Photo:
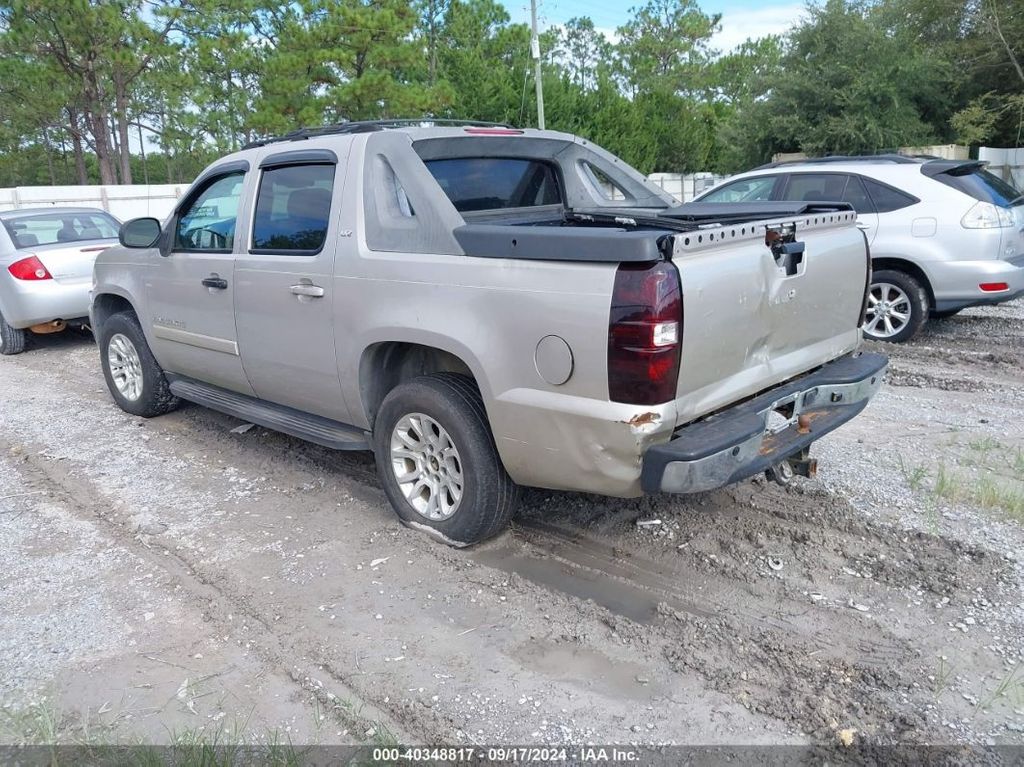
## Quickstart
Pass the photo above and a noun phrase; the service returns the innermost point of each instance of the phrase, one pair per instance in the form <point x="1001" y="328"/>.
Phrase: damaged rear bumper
<point x="750" y="437"/>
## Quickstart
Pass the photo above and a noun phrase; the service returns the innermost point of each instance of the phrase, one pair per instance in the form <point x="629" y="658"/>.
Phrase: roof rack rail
<point x="898" y="159"/>
<point x="369" y="126"/>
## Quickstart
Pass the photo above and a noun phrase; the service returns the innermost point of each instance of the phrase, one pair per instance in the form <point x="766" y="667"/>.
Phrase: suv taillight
<point x="30" y="268"/>
<point x="645" y="334"/>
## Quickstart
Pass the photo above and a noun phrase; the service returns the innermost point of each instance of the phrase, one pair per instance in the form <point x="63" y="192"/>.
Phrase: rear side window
<point x="493" y="183"/>
<point x="857" y="196"/>
<point x="887" y="199"/>
<point x="53" y="228"/>
<point x="758" y="189"/>
<point x="293" y="209"/>
<point x="984" y="186"/>
<point x="816" y="187"/>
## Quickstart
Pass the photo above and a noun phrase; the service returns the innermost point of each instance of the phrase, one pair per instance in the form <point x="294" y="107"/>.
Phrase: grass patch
<point x="1010" y="687"/>
<point x="63" y="741"/>
<point x="913" y="475"/>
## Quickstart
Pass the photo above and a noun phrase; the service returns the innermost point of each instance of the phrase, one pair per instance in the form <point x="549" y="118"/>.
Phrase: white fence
<point x="157" y="200"/>
<point x="1008" y="164"/>
<point x="685" y="187"/>
<point x="124" y="202"/>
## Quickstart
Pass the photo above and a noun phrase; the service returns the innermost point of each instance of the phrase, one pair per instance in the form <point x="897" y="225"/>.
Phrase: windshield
<point x="985" y="186"/>
<point x="36" y="229"/>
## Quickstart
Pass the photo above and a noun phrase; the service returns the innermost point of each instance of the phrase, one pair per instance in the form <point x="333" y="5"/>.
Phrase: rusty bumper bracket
<point x="765" y="430"/>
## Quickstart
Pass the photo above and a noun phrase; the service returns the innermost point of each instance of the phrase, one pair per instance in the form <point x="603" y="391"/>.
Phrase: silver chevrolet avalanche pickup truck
<point x="485" y="308"/>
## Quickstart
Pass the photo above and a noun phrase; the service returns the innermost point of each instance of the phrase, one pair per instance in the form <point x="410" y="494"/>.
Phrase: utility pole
<point x="535" y="50"/>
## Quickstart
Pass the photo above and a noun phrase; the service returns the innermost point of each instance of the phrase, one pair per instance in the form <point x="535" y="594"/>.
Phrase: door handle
<point x="215" y="282"/>
<point x="310" y="291"/>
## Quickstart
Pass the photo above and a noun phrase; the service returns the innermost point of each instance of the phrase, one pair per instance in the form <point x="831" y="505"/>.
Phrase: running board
<point x="312" y="428"/>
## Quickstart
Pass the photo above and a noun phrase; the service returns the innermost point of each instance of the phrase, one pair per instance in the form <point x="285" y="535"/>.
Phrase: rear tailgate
<point x="71" y="262"/>
<point x="750" y="320"/>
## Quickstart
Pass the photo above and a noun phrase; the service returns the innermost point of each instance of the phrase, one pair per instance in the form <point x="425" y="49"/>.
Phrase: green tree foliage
<point x="87" y="85"/>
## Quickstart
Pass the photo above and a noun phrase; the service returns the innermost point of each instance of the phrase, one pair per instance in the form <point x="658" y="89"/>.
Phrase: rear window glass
<point x="492" y="183"/>
<point x="887" y="199"/>
<point x="293" y="209"/>
<point x="54" y="228"/>
<point x="984" y="186"/>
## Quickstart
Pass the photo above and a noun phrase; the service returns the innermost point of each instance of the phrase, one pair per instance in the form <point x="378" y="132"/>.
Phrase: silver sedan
<point x="46" y="260"/>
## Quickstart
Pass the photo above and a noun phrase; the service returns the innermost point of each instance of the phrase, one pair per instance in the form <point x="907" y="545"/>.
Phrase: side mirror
<point x="139" y="233"/>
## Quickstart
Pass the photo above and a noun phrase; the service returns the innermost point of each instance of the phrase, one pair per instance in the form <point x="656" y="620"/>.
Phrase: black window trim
<point x="309" y="153"/>
<point x="201" y="184"/>
<point x="299" y="157"/>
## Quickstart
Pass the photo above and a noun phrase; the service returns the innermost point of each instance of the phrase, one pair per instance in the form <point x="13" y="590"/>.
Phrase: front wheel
<point x="135" y="379"/>
<point x="897" y="307"/>
<point x="438" y="462"/>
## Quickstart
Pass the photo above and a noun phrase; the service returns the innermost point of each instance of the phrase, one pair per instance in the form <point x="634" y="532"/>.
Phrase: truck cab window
<point x="293" y="209"/>
<point x="492" y="183"/>
<point x="208" y="223"/>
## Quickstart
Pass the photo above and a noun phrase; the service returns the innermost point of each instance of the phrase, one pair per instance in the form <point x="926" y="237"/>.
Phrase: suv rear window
<point x="984" y="186"/>
<point x="493" y="183"/>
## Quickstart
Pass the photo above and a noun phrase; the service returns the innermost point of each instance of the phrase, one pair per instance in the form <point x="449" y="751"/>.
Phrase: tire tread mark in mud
<point x="206" y="587"/>
<point x="600" y="558"/>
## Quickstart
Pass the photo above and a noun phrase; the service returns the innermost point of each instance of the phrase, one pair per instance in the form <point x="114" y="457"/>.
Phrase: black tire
<point x="155" y="397"/>
<point x="917" y="300"/>
<point x="489" y="496"/>
<point x="945" y="314"/>
<point x="12" y="340"/>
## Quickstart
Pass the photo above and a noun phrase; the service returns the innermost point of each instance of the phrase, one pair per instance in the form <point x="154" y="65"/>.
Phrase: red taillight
<point x="994" y="287"/>
<point x="30" y="268"/>
<point x="645" y="334"/>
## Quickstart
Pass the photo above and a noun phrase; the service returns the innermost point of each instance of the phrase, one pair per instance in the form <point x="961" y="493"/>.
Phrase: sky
<point x="741" y="19"/>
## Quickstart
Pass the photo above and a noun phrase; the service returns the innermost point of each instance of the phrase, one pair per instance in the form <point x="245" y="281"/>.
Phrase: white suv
<point x="944" y="234"/>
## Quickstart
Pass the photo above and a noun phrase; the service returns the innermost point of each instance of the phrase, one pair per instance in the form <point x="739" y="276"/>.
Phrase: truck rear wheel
<point x="438" y="462"/>
<point x="135" y="379"/>
<point x="12" y="340"/>
<point x="897" y="307"/>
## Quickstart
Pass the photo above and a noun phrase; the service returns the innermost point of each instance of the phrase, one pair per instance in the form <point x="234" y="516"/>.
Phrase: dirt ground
<point x="170" y="577"/>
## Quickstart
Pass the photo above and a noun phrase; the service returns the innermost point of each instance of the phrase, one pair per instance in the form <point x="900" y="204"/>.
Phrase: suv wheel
<point x="897" y="307"/>
<point x="136" y="382"/>
<point x="12" y="340"/>
<point x="438" y="462"/>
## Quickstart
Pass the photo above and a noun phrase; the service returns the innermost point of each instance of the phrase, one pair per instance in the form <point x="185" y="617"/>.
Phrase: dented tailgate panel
<point x="750" y="320"/>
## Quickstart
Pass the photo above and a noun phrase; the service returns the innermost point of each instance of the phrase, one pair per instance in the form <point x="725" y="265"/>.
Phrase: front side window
<point x="54" y="228"/>
<point x="208" y="223"/>
<point x="293" y="209"/>
<point x="493" y="183"/>
<point x="757" y="189"/>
